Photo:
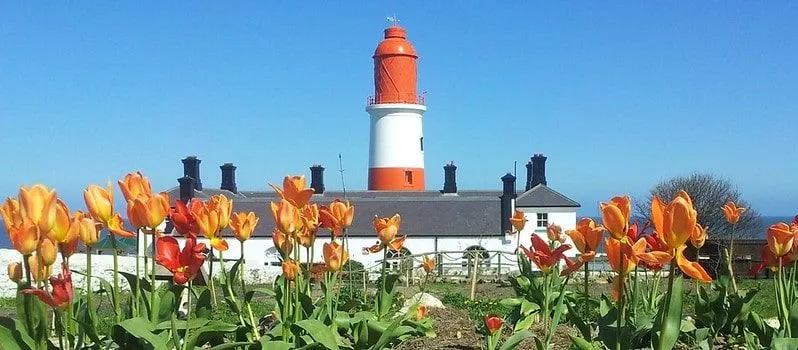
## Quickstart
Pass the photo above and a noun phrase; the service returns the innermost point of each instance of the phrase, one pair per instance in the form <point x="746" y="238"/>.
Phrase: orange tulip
<point x="283" y="242"/>
<point x="428" y="264"/>
<point x="135" y="185"/>
<point x="48" y="250"/>
<point x="25" y="237"/>
<point x="148" y="211"/>
<point x="294" y="191"/>
<point x="780" y="239"/>
<point x="421" y="312"/>
<point x="15" y="272"/>
<point x="223" y="207"/>
<point x="87" y="232"/>
<point x="337" y="216"/>
<point x="397" y="244"/>
<point x="676" y="221"/>
<point x="691" y="268"/>
<point x="699" y="236"/>
<point x="70" y="243"/>
<point x="554" y="233"/>
<point x="286" y="216"/>
<point x="335" y="256"/>
<point x="62" y="222"/>
<point x="243" y="224"/>
<point x="586" y="238"/>
<point x="37" y="204"/>
<point x="116" y="226"/>
<point x="306" y="235"/>
<point x="39" y="270"/>
<point x="615" y="216"/>
<point x="207" y="216"/>
<point x="290" y="269"/>
<point x="100" y="202"/>
<point x="387" y="228"/>
<point x="632" y="255"/>
<point x="732" y="212"/>
<point x="518" y="220"/>
<point x="11" y="214"/>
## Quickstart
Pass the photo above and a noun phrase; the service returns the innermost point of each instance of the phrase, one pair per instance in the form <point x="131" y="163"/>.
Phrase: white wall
<point x="565" y="217"/>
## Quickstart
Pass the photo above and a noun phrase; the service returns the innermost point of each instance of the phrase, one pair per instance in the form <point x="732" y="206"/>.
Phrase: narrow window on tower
<point x="409" y="177"/>
<point x="421" y="140"/>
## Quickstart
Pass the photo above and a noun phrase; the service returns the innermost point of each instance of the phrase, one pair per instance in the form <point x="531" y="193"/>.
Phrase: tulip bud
<point x="88" y="232"/>
<point x="47" y="251"/>
<point x="38" y="205"/>
<point x="15" y="272"/>
<point x="290" y="269"/>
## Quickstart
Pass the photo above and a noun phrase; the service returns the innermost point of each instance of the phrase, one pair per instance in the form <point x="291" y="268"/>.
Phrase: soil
<point x="456" y="331"/>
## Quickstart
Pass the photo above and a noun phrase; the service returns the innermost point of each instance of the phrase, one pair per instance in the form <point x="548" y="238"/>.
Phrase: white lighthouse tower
<point x="396" y="146"/>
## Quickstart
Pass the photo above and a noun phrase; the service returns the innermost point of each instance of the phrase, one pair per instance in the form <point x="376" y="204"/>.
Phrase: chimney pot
<point x="507" y="197"/>
<point x="186" y="189"/>
<point x="317" y="179"/>
<point x="449" y="178"/>
<point x="229" y="177"/>
<point x="191" y="169"/>
<point x="538" y="170"/>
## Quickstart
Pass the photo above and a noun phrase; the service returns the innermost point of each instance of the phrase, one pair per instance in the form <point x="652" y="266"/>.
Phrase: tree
<point x="709" y="193"/>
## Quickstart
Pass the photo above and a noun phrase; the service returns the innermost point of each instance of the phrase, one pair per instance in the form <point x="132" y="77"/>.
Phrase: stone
<point x="425" y="299"/>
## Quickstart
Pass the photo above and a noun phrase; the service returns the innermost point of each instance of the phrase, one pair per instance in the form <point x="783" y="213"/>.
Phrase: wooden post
<point x="475" y="266"/>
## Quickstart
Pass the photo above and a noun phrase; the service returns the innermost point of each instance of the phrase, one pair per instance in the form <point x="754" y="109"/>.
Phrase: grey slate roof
<point x="541" y="196"/>
<point x="430" y="213"/>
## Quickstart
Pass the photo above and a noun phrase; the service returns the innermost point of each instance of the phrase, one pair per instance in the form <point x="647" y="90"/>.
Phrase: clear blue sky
<point x="618" y="95"/>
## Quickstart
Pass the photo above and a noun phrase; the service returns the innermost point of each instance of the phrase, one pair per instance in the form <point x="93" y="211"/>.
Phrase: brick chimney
<point x="229" y="177"/>
<point x="507" y="198"/>
<point x="449" y="178"/>
<point x="191" y="169"/>
<point x="317" y="179"/>
<point x="538" y="170"/>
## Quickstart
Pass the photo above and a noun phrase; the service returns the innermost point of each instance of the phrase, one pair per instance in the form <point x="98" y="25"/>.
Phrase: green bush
<point x="477" y="309"/>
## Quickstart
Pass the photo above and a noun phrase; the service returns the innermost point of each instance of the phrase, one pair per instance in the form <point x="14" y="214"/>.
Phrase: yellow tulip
<point x="387" y="228"/>
<point x="100" y="202"/>
<point x="15" y="272"/>
<point x="38" y="205"/>
<point x="135" y="185"/>
<point x="223" y="206"/>
<point x="335" y="256"/>
<point x="62" y="222"/>
<point x="615" y="216"/>
<point x="243" y="224"/>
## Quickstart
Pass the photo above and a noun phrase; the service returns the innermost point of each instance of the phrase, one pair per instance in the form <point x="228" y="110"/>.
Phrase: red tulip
<point x="61" y="296"/>
<point x="184" y="264"/>
<point x="493" y="323"/>
<point x="184" y="221"/>
<point x="543" y="257"/>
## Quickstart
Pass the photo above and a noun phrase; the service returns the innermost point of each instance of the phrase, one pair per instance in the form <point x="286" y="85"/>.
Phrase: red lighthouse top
<point x="395" y="69"/>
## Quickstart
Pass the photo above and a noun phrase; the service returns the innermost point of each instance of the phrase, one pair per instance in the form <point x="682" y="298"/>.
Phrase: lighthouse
<point x="396" y="143"/>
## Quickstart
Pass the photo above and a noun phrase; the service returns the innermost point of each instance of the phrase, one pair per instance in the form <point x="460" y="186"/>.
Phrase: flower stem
<point x="89" y="292"/>
<point x="621" y="306"/>
<point x="210" y="278"/>
<point x="285" y="309"/>
<point x="153" y="313"/>
<point x="59" y="327"/>
<point x="188" y="316"/>
<point x="28" y="299"/>
<point x="115" y="292"/>
<point x="382" y="280"/>
<point x="671" y="275"/>
<point x="587" y="290"/>
<point x="730" y="259"/>
<point x="136" y="303"/>
<point x="244" y="293"/>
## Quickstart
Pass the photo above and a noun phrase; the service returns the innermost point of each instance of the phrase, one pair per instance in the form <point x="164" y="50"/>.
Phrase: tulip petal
<point x="168" y="253"/>
<point x="691" y="268"/>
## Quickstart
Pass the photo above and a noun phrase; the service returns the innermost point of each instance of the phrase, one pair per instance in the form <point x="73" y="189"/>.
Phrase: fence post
<point x="499" y="269"/>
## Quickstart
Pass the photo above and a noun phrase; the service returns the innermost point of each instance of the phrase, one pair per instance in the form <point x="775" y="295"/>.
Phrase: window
<point x="421" y="140"/>
<point x="408" y="177"/>
<point x="399" y="261"/>
<point x="543" y="219"/>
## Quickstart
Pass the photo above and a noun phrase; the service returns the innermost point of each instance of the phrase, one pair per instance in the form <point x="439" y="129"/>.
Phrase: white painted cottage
<point x="434" y="221"/>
